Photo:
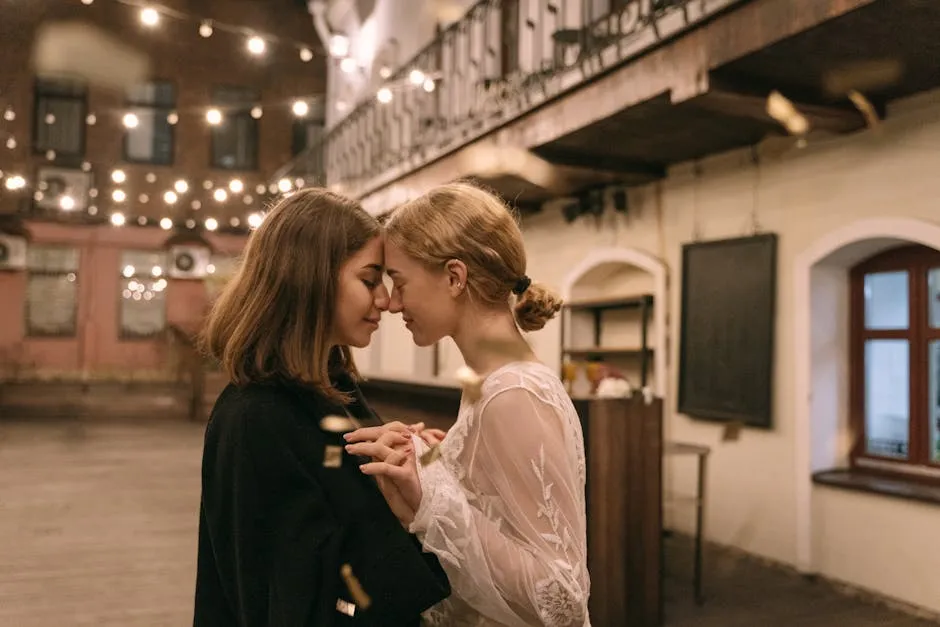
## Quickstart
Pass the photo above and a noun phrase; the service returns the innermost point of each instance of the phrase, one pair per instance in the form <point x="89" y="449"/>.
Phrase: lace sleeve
<point x="514" y="552"/>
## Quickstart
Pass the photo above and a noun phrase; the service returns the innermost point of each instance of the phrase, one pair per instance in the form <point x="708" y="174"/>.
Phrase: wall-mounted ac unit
<point x="63" y="189"/>
<point x="189" y="262"/>
<point x="12" y="252"/>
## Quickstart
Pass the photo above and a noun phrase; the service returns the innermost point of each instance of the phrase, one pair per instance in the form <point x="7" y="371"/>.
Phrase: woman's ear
<point x="456" y="276"/>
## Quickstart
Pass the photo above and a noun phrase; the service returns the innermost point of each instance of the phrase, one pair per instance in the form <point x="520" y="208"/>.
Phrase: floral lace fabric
<point x="503" y="508"/>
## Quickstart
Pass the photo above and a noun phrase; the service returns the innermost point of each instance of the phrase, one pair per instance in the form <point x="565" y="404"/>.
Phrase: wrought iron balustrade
<point x="500" y="60"/>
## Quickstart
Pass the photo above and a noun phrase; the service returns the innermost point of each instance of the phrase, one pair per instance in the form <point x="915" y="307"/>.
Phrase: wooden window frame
<point x="917" y="261"/>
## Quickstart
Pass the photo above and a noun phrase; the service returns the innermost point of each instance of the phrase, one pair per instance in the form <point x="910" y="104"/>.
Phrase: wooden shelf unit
<point x="643" y="302"/>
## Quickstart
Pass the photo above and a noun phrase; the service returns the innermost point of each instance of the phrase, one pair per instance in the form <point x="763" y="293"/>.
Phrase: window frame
<point x="917" y="261"/>
<point x="229" y="112"/>
<point x="39" y="96"/>
<point x="156" y="109"/>
<point x="29" y="331"/>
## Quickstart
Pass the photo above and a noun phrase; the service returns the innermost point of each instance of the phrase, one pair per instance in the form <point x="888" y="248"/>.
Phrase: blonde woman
<point x="503" y="507"/>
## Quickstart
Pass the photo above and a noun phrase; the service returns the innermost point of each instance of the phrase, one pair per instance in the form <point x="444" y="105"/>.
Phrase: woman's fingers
<point x="383" y="469"/>
<point x="376" y="450"/>
<point x="374" y="433"/>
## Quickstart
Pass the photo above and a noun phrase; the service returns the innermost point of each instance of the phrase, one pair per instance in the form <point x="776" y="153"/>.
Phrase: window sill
<point x="871" y="483"/>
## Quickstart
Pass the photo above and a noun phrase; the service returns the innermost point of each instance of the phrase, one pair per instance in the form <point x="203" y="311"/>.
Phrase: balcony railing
<point x="502" y="59"/>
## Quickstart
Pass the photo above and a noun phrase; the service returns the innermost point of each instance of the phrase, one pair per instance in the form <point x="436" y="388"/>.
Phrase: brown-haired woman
<point x="503" y="507"/>
<point x="284" y="511"/>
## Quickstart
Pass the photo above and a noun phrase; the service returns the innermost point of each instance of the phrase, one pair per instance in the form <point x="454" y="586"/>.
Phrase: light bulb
<point x="339" y="46"/>
<point x="130" y="120"/>
<point x="118" y="176"/>
<point x="220" y="195"/>
<point x="416" y="77"/>
<point x="257" y="112"/>
<point x="181" y="186"/>
<point x="149" y="16"/>
<point x="256" y="45"/>
<point x="212" y="224"/>
<point x="214" y="116"/>
<point x="118" y="195"/>
<point x="166" y="224"/>
<point x="384" y="96"/>
<point x="236" y="186"/>
<point x="429" y="85"/>
<point x="300" y="108"/>
<point x="170" y="197"/>
<point x="306" y="55"/>
<point x="205" y="29"/>
<point x="118" y="219"/>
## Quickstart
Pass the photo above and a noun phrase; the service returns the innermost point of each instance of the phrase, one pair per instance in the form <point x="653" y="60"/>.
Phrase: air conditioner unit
<point x="189" y="262"/>
<point x="63" y="189"/>
<point x="12" y="252"/>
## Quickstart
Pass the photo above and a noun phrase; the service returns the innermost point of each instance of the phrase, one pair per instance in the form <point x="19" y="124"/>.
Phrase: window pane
<point x="934" y="401"/>
<point x="51" y="259"/>
<point x="143" y="307"/>
<point x="235" y="142"/>
<point x="933" y="297"/>
<point x="143" y="293"/>
<point x="51" y="303"/>
<point x="152" y="140"/>
<point x="142" y="263"/>
<point x="65" y="133"/>
<point x="886" y="300"/>
<point x="887" y="398"/>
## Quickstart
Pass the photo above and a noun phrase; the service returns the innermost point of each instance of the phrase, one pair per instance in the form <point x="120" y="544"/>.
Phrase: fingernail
<point x="349" y="447"/>
<point x="346" y="436"/>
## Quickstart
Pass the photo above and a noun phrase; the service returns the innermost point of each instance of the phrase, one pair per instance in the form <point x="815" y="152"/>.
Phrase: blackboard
<point x="726" y="350"/>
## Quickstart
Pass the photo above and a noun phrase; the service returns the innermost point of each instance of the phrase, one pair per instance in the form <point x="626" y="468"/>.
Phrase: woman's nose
<point x="381" y="299"/>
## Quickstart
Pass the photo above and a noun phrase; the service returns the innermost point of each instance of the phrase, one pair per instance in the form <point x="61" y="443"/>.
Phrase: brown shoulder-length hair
<point x="273" y="320"/>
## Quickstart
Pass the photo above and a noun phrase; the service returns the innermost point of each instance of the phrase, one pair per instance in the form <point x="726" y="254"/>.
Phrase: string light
<point x="118" y="176"/>
<point x="257" y="112"/>
<point x="118" y="219"/>
<point x="220" y="195"/>
<point x="166" y="224"/>
<point x="149" y="16"/>
<point x="384" y="95"/>
<point x="256" y="45"/>
<point x="118" y="195"/>
<point x="348" y="65"/>
<point x="300" y="108"/>
<point x="214" y="117"/>
<point x="211" y="224"/>
<point x="170" y="198"/>
<point x="181" y="186"/>
<point x="236" y="186"/>
<point x="255" y="220"/>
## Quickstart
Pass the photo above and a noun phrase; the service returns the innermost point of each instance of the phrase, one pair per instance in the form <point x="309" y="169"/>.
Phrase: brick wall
<point x="194" y="64"/>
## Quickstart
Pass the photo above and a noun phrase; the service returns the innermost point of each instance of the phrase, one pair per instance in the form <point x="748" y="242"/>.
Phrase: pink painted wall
<point x="96" y="348"/>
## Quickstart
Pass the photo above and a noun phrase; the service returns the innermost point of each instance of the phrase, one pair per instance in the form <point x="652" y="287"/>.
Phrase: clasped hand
<point x="393" y="463"/>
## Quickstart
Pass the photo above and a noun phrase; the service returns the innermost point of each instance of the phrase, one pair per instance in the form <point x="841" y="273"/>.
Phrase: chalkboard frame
<point x="702" y="408"/>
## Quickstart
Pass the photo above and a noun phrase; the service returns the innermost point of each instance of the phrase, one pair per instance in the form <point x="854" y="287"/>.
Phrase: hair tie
<point x="521" y="285"/>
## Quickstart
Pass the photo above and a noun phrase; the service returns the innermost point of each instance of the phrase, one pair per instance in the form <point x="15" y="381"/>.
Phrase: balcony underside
<point x="887" y="50"/>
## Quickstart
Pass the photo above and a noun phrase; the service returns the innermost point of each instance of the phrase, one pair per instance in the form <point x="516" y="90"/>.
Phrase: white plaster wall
<point x="760" y="498"/>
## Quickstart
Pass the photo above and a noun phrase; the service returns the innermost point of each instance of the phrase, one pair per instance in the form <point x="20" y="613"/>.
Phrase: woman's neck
<point x="488" y="340"/>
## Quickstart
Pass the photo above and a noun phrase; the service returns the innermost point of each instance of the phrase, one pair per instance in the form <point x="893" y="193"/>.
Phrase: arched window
<point x="895" y="361"/>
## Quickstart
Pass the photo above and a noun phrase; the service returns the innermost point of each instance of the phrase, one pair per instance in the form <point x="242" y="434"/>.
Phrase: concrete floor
<point x="98" y="528"/>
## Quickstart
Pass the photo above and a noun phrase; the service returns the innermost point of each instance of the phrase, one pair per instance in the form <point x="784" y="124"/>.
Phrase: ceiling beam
<point x="729" y="100"/>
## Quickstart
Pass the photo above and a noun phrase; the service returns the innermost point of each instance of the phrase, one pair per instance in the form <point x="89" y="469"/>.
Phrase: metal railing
<point x="499" y="61"/>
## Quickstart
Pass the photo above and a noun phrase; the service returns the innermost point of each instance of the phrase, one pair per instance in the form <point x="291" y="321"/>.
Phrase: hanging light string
<point x="207" y="26"/>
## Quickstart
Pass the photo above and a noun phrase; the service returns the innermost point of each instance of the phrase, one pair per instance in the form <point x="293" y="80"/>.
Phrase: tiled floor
<point x="98" y="521"/>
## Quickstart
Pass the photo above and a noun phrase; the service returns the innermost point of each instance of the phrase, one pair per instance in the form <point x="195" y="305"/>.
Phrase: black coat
<point x="276" y="525"/>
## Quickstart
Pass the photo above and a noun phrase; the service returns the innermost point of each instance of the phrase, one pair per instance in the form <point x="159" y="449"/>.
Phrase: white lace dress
<point x="503" y="508"/>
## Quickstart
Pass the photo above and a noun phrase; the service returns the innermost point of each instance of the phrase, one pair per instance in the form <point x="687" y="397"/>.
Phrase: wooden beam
<point x="835" y="119"/>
